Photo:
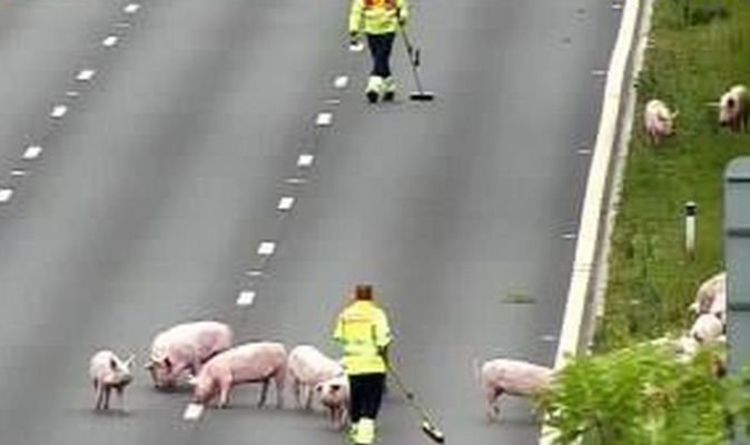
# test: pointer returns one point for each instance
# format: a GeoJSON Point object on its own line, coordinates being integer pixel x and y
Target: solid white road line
{"type": "Point", "coordinates": [266, 248]}
{"type": "Point", "coordinates": [305, 160]}
{"type": "Point", "coordinates": [246, 298]}
{"type": "Point", "coordinates": [32, 152]}
{"type": "Point", "coordinates": [5, 195]}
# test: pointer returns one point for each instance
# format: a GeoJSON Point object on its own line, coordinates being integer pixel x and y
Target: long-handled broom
{"type": "Point", "coordinates": [415, 61]}
{"type": "Point", "coordinates": [428, 426]}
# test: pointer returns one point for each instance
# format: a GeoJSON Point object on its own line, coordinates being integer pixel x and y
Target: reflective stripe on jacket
{"type": "Point", "coordinates": [362, 330]}
{"type": "Point", "coordinates": [377, 16]}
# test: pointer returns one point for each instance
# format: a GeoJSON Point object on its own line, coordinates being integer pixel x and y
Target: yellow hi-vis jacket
{"type": "Point", "coordinates": [377, 16]}
{"type": "Point", "coordinates": [362, 330]}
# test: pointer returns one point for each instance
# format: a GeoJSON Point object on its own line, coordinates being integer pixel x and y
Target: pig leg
{"type": "Point", "coordinates": [493, 410]}
{"type": "Point", "coordinates": [296, 390]}
{"type": "Point", "coordinates": [264, 393]}
{"type": "Point", "coordinates": [98, 395]}
{"type": "Point", "coordinates": [107, 393]}
{"type": "Point", "coordinates": [224, 387]}
{"type": "Point", "coordinates": [308, 393]}
{"type": "Point", "coordinates": [280, 380]}
{"type": "Point", "coordinates": [121, 397]}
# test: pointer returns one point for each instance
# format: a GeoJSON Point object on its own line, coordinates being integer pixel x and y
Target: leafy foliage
{"type": "Point", "coordinates": [642, 395]}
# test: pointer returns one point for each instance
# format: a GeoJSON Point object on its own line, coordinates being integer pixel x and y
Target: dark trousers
{"type": "Point", "coordinates": [366, 393]}
{"type": "Point", "coordinates": [381, 46]}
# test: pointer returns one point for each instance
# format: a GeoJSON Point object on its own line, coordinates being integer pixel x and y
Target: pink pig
{"type": "Point", "coordinates": [659, 120]}
{"type": "Point", "coordinates": [512, 377]}
{"type": "Point", "coordinates": [711, 297]}
{"type": "Point", "coordinates": [334, 395]}
{"type": "Point", "coordinates": [734, 109]}
{"type": "Point", "coordinates": [108, 372]}
{"type": "Point", "coordinates": [186, 347]}
{"type": "Point", "coordinates": [308, 367]}
{"type": "Point", "coordinates": [248, 363]}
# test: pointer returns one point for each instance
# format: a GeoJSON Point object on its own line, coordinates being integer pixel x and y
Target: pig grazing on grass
{"type": "Point", "coordinates": [711, 297]}
{"type": "Point", "coordinates": [108, 372]}
{"type": "Point", "coordinates": [707, 329]}
{"type": "Point", "coordinates": [186, 347]}
{"type": "Point", "coordinates": [734, 109]}
{"type": "Point", "coordinates": [512, 377]}
{"type": "Point", "coordinates": [307, 367]}
{"type": "Point", "coordinates": [248, 363]}
{"type": "Point", "coordinates": [659, 121]}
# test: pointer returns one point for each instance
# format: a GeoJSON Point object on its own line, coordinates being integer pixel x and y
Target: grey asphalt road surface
{"type": "Point", "coordinates": [151, 196]}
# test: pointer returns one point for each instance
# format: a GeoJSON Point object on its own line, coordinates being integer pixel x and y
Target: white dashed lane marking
{"type": "Point", "coordinates": [324, 119]}
{"type": "Point", "coordinates": [85, 75]}
{"type": "Point", "coordinates": [18, 172]}
{"type": "Point", "coordinates": [5, 195]}
{"type": "Point", "coordinates": [266, 248]}
{"type": "Point", "coordinates": [296, 181]}
{"type": "Point", "coordinates": [193, 412]}
{"type": "Point", "coordinates": [254, 273]}
{"type": "Point", "coordinates": [341, 82]}
{"type": "Point", "coordinates": [32, 152]}
{"type": "Point", "coordinates": [246, 298]}
{"type": "Point", "coordinates": [132, 8]}
{"type": "Point", "coordinates": [110, 41]}
{"type": "Point", "coordinates": [305, 160]}
{"type": "Point", "coordinates": [285, 203]}
{"type": "Point", "coordinates": [58, 111]}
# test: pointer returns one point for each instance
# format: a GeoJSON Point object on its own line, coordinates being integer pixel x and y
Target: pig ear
{"type": "Point", "coordinates": [192, 381]}
{"type": "Point", "coordinates": [675, 114]}
{"type": "Point", "coordinates": [130, 360]}
{"type": "Point", "coordinates": [150, 365]}
{"type": "Point", "coordinates": [713, 104]}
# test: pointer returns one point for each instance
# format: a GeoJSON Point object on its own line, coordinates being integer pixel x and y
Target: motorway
{"type": "Point", "coordinates": [151, 195]}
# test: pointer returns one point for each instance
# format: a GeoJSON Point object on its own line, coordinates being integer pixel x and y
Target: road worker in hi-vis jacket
{"type": "Point", "coordinates": [378, 20]}
{"type": "Point", "coordinates": [363, 332]}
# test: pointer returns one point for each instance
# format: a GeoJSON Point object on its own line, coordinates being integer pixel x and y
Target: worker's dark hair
{"type": "Point", "coordinates": [363, 292]}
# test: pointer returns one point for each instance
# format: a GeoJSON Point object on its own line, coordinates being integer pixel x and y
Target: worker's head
{"type": "Point", "coordinates": [363, 292]}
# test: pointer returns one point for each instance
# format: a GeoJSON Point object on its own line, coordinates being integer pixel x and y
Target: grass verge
{"type": "Point", "coordinates": [699, 49]}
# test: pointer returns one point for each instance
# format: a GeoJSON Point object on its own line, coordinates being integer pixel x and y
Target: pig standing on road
{"type": "Point", "coordinates": [308, 367]}
{"type": "Point", "coordinates": [512, 377]}
{"type": "Point", "coordinates": [734, 109]}
{"type": "Point", "coordinates": [108, 372]}
{"type": "Point", "coordinates": [334, 395]}
{"type": "Point", "coordinates": [248, 363]}
{"type": "Point", "coordinates": [186, 347]}
{"type": "Point", "coordinates": [659, 120]}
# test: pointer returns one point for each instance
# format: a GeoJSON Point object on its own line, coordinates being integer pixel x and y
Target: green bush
{"type": "Point", "coordinates": [642, 395]}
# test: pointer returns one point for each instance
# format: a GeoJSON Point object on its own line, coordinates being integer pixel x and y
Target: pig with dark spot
{"type": "Point", "coordinates": [248, 363]}
{"type": "Point", "coordinates": [734, 109]}
{"type": "Point", "coordinates": [108, 372]}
